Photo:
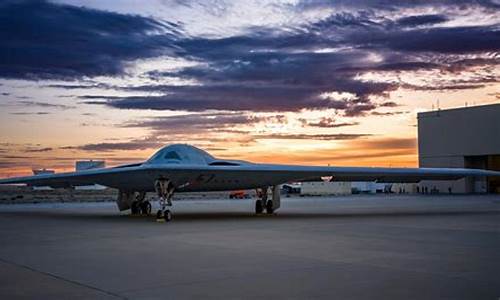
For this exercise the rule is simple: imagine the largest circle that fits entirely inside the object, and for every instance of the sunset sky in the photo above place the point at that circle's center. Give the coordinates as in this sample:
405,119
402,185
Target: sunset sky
299,82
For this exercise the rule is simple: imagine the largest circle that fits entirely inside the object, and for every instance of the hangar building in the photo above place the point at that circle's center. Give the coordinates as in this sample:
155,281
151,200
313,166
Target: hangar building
83,165
467,137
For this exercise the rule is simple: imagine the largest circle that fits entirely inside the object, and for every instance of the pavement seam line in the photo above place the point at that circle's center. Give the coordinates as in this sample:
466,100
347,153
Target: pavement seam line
62,278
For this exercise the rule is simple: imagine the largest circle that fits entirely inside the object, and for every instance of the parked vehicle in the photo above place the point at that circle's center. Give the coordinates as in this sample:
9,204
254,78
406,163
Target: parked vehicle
240,194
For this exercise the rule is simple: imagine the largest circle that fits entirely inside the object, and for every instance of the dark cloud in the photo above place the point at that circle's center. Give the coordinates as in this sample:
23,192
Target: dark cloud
135,144
244,96
82,85
30,113
192,123
327,122
12,164
359,110
46,40
451,40
364,30
24,157
393,5
181,125
327,137
389,113
389,104
441,87
270,70
397,66
237,98
214,149
44,104
35,150
419,20
261,70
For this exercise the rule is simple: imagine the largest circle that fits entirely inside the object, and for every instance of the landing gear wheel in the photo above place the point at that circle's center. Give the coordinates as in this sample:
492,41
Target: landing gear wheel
259,208
146,208
269,207
167,215
164,216
135,208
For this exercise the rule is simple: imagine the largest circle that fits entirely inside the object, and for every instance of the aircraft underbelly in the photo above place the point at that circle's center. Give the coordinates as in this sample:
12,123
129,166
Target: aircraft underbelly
201,181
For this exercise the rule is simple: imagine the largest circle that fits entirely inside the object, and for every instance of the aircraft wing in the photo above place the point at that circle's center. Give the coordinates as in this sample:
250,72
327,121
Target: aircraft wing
106,176
389,175
198,177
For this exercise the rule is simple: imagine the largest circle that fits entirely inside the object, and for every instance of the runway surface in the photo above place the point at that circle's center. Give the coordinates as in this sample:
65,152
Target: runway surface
355,247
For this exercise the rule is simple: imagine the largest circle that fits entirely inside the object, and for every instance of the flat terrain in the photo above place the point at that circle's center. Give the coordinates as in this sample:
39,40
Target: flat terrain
355,247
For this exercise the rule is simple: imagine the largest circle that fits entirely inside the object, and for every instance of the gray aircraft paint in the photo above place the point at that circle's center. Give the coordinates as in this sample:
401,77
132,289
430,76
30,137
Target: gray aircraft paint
192,169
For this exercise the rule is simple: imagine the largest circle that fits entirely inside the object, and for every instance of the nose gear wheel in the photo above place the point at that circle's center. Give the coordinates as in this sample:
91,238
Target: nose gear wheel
165,190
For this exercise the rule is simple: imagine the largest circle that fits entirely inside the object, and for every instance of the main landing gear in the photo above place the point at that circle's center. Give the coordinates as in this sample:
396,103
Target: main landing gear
139,205
165,190
141,208
271,205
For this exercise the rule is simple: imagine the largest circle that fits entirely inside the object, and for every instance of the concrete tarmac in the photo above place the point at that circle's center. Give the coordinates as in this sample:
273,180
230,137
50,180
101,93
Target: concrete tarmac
353,247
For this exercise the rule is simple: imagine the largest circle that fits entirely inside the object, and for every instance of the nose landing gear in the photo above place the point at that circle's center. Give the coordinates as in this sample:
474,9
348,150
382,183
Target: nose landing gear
270,205
165,190
164,216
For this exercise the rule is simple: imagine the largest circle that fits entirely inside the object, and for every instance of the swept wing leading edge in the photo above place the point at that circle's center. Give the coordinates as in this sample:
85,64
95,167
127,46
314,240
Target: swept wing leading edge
143,176
192,169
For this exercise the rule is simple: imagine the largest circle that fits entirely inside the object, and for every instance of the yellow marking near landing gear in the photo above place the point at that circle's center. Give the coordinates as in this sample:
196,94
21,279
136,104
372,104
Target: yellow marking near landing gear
160,220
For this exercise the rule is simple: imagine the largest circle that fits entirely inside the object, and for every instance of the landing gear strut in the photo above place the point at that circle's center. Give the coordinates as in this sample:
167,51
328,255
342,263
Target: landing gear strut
165,190
259,207
261,203
270,205
146,208
139,205
135,208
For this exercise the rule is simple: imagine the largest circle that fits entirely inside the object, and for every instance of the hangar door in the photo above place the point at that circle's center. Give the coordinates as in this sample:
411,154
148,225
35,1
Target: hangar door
494,183
490,184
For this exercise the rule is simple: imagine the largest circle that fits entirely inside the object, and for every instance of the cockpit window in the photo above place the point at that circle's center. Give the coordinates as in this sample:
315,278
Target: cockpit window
172,155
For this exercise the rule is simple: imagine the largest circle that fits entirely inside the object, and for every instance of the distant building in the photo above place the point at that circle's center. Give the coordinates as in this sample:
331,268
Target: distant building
291,188
42,172
367,187
323,188
467,137
404,188
83,165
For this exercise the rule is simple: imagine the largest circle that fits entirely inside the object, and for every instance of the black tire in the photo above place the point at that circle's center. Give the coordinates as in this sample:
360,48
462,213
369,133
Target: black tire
146,208
168,216
159,214
269,207
259,208
134,208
